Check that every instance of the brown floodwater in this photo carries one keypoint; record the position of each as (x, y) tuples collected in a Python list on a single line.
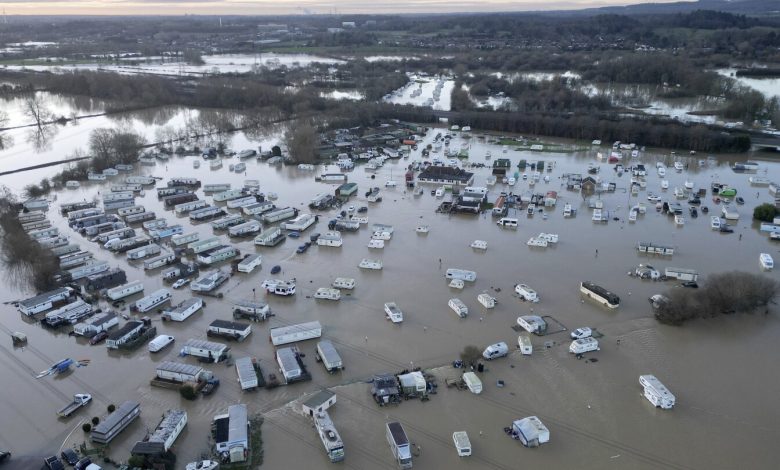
[(722, 370)]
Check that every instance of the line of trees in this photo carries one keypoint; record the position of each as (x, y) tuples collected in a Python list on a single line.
[(722, 294)]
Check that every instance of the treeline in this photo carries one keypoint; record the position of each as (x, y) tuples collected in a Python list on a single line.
[(722, 294), (25, 262), (647, 132)]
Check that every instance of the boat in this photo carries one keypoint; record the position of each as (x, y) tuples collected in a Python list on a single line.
[(479, 244), (457, 284), (766, 261), (422, 229), (393, 313)]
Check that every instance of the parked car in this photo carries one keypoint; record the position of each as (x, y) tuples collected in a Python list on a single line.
[(210, 386), (294, 234), (4, 455), (691, 284), (82, 464), (314, 236), (362, 209), (580, 333), (180, 283), (726, 229), (303, 248), (69, 456), (53, 463), (654, 198), (98, 338)]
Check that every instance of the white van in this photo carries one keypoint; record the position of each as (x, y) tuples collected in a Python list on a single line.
[(495, 350), (159, 343), (507, 222), (583, 345), (472, 382)]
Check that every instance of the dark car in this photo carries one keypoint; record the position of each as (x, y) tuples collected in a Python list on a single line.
[(314, 236), (82, 464), (303, 248), (53, 463), (362, 209), (726, 229), (691, 284), (70, 456), (210, 386), (4, 455), (98, 338), (294, 234), (276, 269)]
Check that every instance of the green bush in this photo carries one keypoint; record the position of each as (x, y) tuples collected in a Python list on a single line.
[(95, 421), (111, 408), (188, 392), (86, 427), (765, 212)]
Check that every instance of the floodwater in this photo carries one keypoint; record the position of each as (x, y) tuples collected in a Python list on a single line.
[(769, 87), (722, 371), (429, 92)]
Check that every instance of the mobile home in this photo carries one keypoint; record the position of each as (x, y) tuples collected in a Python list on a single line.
[(185, 207), (245, 229), (227, 221), (96, 324), (206, 213), (143, 251), (330, 358), (247, 375), (183, 310), (216, 188), (151, 301), (125, 290), (45, 301), (185, 238), (159, 261), (227, 195), (294, 333), (258, 208), (289, 364), (270, 237), (105, 431), (216, 255), (204, 245), (229, 329), (248, 264), (214, 352), (279, 214)]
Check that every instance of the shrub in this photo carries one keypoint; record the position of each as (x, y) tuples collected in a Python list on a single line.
[(95, 421), (188, 392), (765, 212), (470, 355), (111, 408), (86, 427)]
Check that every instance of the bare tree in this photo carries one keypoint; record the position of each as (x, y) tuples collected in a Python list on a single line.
[(34, 109), (302, 142)]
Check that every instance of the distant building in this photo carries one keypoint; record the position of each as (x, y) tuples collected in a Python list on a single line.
[(348, 24), (335, 30), (446, 175)]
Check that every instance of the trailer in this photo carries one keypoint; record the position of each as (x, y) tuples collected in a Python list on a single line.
[(334, 446), (399, 444), (106, 280), (105, 431), (144, 251), (142, 217), (245, 229), (185, 238), (248, 264), (206, 213), (125, 290), (247, 375), (118, 196), (216, 255), (182, 181), (330, 358), (92, 267), (80, 400), (258, 208), (183, 310), (179, 271), (72, 260), (462, 443), (227, 221), (159, 261), (65, 249), (294, 333), (121, 233), (229, 330), (144, 180), (96, 324), (176, 199), (208, 350), (171, 191), (530, 431), (279, 214), (656, 392), (186, 207), (151, 301), (209, 282), (43, 233)]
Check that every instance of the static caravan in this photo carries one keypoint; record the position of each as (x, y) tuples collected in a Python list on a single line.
[(159, 261), (247, 375), (144, 180), (37, 225), (64, 250), (114, 205), (43, 233), (45, 301), (53, 242), (143, 251), (270, 237), (176, 199), (125, 290), (120, 188), (216, 188), (530, 431), (206, 213), (246, 229), (210, 350), (122, 245), (251, 309), (227, 221), (130, 210), (248, 264), (300, 223), (210, 281), (72, 216), (229, 329), (289, 364), (185, 207), (330, 238), (142, 217), (74, 259), (344, 283), (179, 271), (92, 267), (68, 314), (154, 224), (294, 333), (204, 245), (682, 274), (240, 202), (107, 279), (162, 192), (96, 324), (34, 216), (74, 206), (216, 255), (258, 208), (118, 196), (121, 233), (461, 274), (116, 422), (183, 310), (185, 238), (182, 181), (656, 392), (228, 195), (165, 232), (279, 214), (151, 301)]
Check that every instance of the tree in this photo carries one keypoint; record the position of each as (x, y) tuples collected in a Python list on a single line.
[(86, 427), (188, 392), (302, 142), (95, 420), (276, 151), (111, 408), (765, 212), (470, 355)]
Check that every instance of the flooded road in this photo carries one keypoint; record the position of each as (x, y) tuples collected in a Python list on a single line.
[(722, 371)]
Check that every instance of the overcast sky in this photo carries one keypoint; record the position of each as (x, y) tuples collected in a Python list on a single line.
[(276, 7)]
